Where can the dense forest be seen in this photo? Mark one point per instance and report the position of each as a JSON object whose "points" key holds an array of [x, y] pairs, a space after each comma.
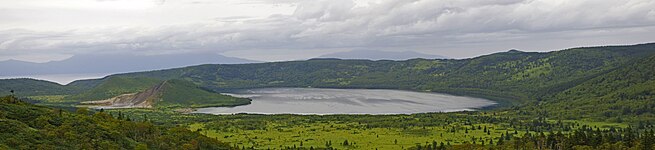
{"points": [[579, 98], [625, 94]]}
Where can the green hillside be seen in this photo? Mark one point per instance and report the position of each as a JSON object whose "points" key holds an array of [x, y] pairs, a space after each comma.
{"points": [[26, 126], [510, 77], [147, 92], [627, 93], [114, 86], [180, 93], [176, 93], [33, 87], [580, 98]]}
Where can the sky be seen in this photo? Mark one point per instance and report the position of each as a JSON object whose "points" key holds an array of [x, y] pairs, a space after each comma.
{"points": [[278, 30]]}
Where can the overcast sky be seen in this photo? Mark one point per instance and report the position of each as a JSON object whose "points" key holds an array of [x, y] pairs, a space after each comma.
{"points": [[44, 30]]}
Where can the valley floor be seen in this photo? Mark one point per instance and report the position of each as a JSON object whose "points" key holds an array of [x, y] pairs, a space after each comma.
{"points": [[364, 131], [457, 130]]}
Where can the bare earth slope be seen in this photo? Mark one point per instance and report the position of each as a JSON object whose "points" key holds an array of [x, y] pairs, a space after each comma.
{"points": [[144, 99], [170, 93]]}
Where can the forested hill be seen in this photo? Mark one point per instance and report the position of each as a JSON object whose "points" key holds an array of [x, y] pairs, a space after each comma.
{"points": [[156, 94], [27, 126], [511, 76], [627, 93], [29, 87]]}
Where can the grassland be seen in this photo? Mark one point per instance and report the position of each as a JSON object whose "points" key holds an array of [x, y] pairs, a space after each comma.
{"points": [[53, 100], [279, 136], [181, 93], [375, 132], [320, 134], [361, 131]]}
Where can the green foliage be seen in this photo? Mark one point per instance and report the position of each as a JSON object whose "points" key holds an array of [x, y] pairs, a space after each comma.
{"points": [[33, 87], [584, 138], [26, 126], [462, 130], [625, 94], [114, 86], [509, 77], [551, 93], [180, 93]]}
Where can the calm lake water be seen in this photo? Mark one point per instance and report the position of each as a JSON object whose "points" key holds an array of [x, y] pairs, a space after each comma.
{"points": [[346, 101]]}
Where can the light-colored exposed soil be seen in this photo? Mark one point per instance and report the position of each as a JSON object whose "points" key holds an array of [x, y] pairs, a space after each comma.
{"points": [[145, 99]]}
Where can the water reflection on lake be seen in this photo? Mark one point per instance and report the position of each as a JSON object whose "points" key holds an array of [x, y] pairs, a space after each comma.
{"points": [[346, 101]]}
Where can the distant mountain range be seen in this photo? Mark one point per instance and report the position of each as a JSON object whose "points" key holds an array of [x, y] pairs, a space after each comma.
{"points": [[114, 63], [381, 55]]}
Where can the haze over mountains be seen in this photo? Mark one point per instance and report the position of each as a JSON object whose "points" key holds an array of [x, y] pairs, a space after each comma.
{"points": [[121, 63], [381, 55], [92, 66], [114, 63]]}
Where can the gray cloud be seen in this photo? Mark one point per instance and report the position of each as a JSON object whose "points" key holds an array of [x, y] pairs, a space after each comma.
{"points": [[457, 28]]}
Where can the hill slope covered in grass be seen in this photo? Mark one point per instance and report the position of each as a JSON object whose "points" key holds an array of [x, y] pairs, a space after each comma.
{"points": [[181, 93], [26, 126], [33, 87], [170, 94], [114, 86], [510, 77], [581, 98], [627, 93]]}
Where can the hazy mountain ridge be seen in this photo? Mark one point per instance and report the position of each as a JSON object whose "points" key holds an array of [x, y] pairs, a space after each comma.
{"points": [[114, 63], [381, 55]]}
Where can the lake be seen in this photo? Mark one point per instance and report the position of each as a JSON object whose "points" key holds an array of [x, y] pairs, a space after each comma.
{"points": [[346, 101]]}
